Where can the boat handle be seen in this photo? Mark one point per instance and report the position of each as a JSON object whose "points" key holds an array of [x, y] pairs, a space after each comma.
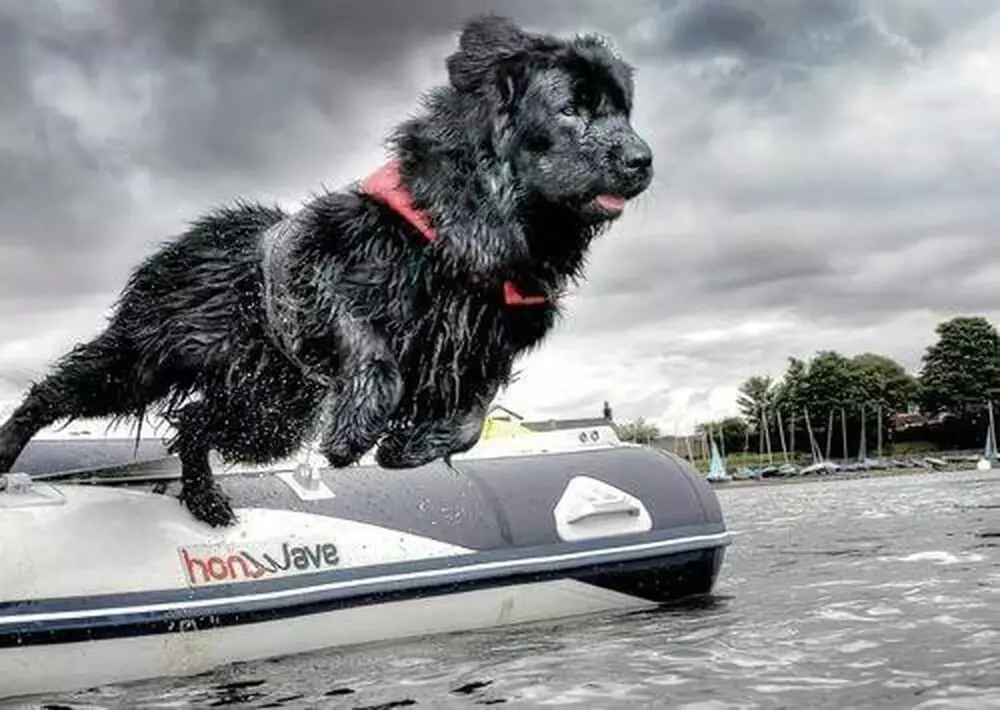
{"points": [[600, 508]]}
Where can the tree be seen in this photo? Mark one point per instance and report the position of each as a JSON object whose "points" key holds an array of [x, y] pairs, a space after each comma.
{"points": [[754, 397], [962, 369], [639, 431], [831, 383], [790, 392], [881, 381]]}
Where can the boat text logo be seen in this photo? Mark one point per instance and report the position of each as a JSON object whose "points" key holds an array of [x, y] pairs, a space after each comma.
{"points": [[204, 565]]}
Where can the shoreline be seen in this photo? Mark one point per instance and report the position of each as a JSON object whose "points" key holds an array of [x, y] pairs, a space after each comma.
{"points": [[833, 477]]}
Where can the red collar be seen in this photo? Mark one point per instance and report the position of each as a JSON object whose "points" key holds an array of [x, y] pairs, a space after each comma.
{"points": [[385, 184]]}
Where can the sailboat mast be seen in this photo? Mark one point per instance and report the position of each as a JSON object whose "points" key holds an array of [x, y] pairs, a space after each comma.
{"points": [[991, 437], [880, 430], [829, 434], [791, 432], [767, 435], [843, 432], [781, 434], [813, 446], [863, 439]]}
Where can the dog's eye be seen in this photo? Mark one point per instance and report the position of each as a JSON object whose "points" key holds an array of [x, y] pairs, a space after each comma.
{"points": [[568, 110]]}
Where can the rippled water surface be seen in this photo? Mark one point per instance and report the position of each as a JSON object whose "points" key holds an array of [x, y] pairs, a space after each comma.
{"points": [[876, 593]]}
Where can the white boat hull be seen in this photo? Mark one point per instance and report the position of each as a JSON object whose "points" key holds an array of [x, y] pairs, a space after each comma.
{"points": [[47, 669]]}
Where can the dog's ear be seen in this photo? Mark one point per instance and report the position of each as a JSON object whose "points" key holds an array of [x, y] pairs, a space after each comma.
{"points": [[492, 53], [490, 32]]}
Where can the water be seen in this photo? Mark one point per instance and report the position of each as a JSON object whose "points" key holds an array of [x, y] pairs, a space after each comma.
{"points": [[877, 593]]}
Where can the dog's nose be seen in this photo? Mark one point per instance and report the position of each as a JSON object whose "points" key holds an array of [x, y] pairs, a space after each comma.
{"points": [[637, 159]]}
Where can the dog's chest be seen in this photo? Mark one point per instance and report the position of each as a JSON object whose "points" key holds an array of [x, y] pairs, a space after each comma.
{"points": [[470, 334]]}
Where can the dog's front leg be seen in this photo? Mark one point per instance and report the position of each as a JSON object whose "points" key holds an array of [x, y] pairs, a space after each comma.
{"points": [[424, 442], [363, 396], [200, 492]]}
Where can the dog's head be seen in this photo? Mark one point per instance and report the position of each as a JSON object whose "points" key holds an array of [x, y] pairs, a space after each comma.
{"points": [[559, 115]]}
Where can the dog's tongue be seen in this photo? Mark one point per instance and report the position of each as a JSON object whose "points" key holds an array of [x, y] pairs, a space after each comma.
{"points": [[615, 203]]}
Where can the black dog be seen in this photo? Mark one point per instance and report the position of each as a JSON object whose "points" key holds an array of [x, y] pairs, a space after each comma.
{"points": [[389, 314]]}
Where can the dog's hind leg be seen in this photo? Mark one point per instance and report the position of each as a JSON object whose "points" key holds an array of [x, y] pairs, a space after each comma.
{"points": [[200, 493], [95, 379]]}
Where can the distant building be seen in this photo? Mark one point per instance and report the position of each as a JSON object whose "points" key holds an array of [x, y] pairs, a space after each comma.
{"points": [[502, 423], [502, 414], [560, 424], [900, 421]]}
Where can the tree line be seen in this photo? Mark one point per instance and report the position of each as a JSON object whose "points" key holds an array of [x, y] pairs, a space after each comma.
{"points": [[845, 405]]}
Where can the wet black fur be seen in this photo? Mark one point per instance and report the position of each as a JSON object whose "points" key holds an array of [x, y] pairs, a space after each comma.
{"points": [[383, 335]]}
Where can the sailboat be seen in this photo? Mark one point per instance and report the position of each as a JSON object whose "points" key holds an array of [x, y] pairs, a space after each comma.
{"points": [[820, 465], [990, 447], [717, 465]]}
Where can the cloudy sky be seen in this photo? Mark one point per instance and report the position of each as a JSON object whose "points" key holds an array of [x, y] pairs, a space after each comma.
{"points": [[826, 171]]}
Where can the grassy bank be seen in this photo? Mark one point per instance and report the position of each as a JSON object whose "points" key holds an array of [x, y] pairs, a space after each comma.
{"points": [[743, 460], [832, 478]]}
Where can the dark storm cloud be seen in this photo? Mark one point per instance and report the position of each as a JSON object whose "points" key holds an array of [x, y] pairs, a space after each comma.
{"points": [[776, 30], [238, 78], [817, 33], [54, 185], [762, 260]]}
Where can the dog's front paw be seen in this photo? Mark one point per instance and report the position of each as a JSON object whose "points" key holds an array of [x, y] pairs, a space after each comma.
{"points": [[393, 453], [397, 459], [340, 457], [208, 504]]}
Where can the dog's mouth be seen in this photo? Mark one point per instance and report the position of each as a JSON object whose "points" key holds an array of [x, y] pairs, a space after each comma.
{"points": [[610, 204]]}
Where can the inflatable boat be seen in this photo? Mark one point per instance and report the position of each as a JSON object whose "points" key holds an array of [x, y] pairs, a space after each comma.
{"points": [[106, 578]]}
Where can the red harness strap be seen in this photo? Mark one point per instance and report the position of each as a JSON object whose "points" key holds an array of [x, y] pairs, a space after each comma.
{"points": [[385, 184]]}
